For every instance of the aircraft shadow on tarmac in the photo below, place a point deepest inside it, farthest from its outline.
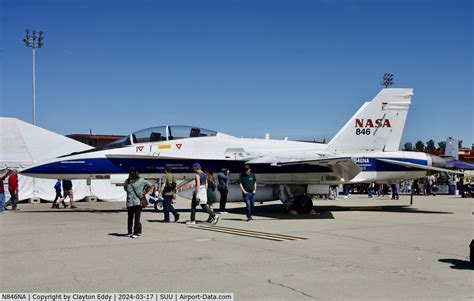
(384, 208)
(273, 211)
(458, 264)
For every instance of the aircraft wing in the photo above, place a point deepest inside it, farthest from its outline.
(414, 165)
(343, 167)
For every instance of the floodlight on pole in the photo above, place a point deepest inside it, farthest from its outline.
(387, 80)
(35, 40)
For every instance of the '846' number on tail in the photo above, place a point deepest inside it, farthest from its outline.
(362, 131)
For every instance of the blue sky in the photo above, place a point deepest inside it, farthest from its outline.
(291, 68)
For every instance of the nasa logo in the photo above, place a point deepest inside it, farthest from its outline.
(369, 123)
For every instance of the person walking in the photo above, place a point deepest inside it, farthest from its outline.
(336, 192)
(248, 186)
(430, 186)
(345, 189)
(200, 197)
(370, 189)
(67, 192)
(135, 187)
(416, 186)
(223, 188)
(168, 191)
(13, 189)
(395, 191)
(2, 191)
(57, 188)
(211, 189)
(380, 190)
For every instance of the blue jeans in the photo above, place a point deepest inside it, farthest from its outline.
(168, 207)
(380, 192)
(2, 201)
(395, 191)
(248, 198)
(345, 188)
(369, 191)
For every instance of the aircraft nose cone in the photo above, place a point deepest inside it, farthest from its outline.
(45, 170)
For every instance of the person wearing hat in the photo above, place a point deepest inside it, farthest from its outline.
(135, 187)
(200, 196)
(248, 186)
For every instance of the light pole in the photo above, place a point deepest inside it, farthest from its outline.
(35, 40)
(387, 80)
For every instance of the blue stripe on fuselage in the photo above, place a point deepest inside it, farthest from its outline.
(373, 164)
(148, 166)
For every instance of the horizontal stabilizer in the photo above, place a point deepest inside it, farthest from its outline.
(419, 166)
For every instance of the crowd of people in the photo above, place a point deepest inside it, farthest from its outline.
(428, 185)
(204, 195)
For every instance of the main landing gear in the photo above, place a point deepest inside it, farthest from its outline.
(295, 199)
(303, 204)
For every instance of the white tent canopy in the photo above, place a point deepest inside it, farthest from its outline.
(23, 144)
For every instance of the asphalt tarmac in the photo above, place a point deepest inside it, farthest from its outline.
(354, 249)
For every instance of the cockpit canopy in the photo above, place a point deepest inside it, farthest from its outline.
(162, 133)
(156, 134)
(170, 132)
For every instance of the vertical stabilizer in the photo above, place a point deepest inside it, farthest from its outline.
(452, 148)
(377, 126)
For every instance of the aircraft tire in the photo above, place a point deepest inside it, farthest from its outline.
(303, 204)
(158, 206)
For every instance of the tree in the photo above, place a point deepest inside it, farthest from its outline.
(430, 145)
(420, 146)
(460, 144)
(442, 146)
(408, 146)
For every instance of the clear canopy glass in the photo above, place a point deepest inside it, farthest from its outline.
(184, 131)
(150, 135)
(172, 132)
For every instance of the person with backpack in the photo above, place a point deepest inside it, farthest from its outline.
(168, 190)
(57, 188)
(200, 196)
(135, 187)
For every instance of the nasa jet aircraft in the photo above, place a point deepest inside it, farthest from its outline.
(364, 150)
